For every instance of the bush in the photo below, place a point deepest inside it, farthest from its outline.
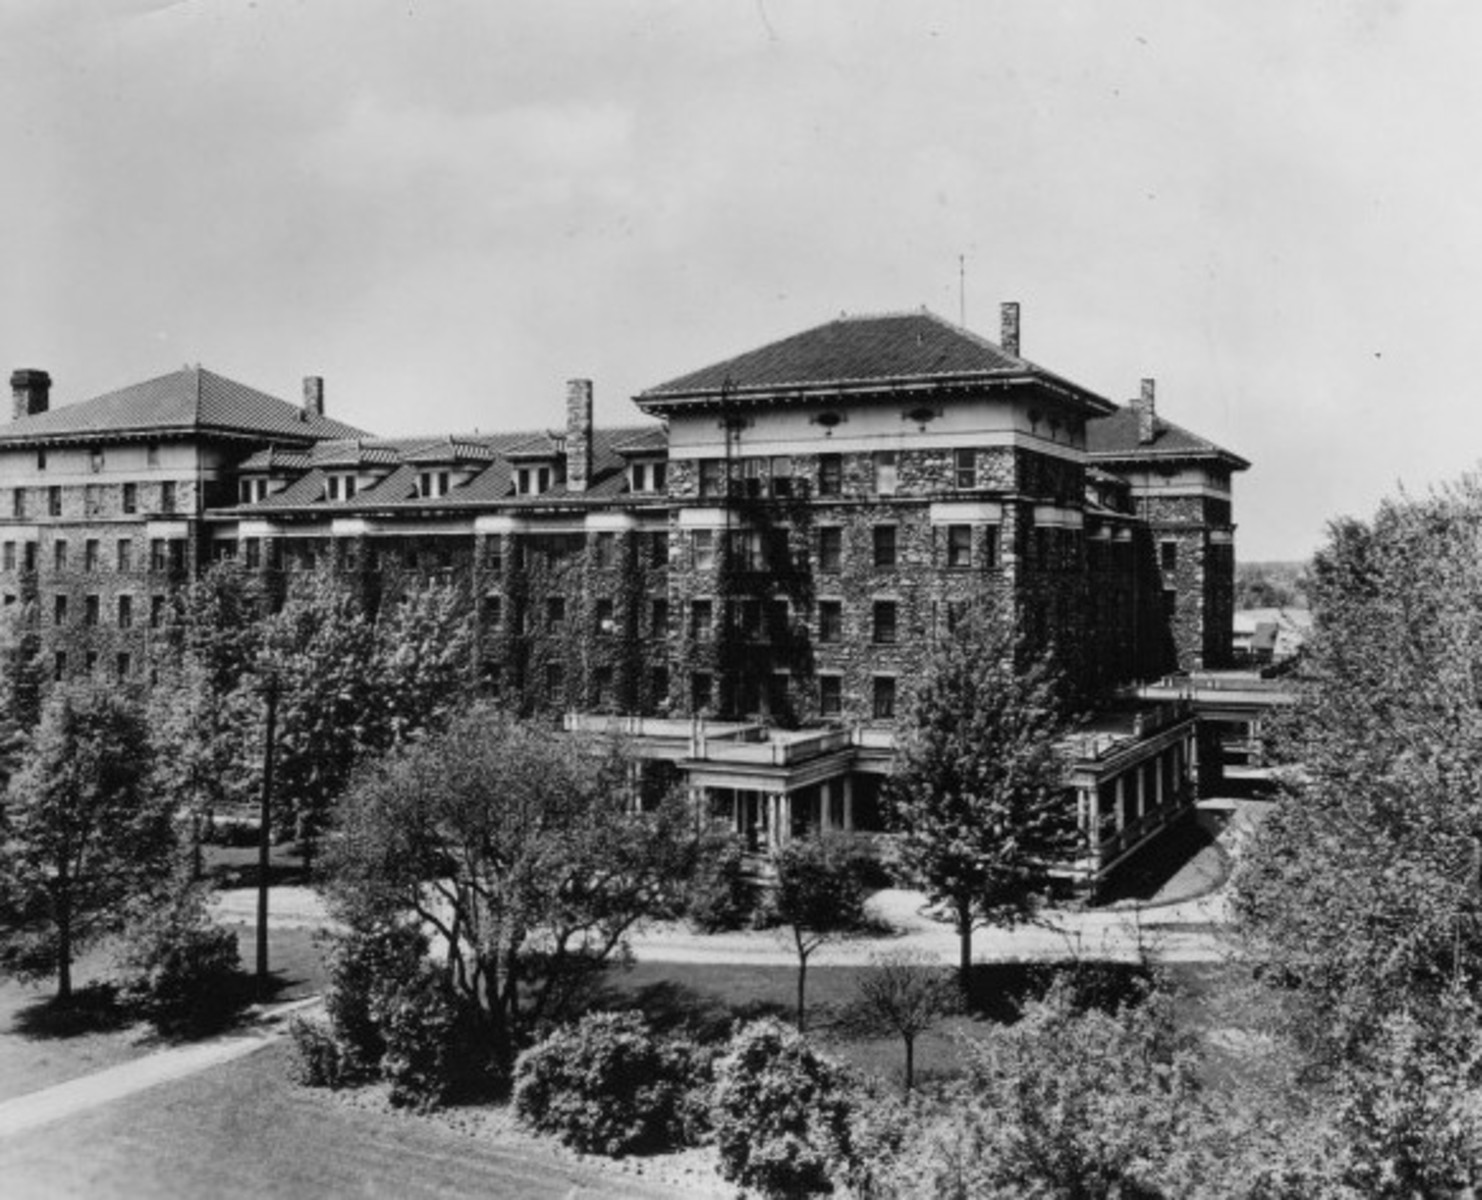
(723, 895)
(319, 1061)
(780, 1111)
(432, 1050)
(182, 969)
(607, 1086)
(363, 964)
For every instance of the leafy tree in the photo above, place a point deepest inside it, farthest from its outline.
(523, 851)
(978, 791)
(1361, 893)
(818, 897)
(423, 666)
(903, 992)
(85, 832)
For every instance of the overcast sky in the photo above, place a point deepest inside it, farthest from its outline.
(447, 209)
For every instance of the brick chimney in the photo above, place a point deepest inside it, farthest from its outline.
(578, 434)
(32, 392)
(1008, 324)
(314, 395)
(1147, 423)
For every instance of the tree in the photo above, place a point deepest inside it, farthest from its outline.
(818, 897)
(978, 791)
(1361, 893)
(85, 834)
(905, 993)
(524, 852)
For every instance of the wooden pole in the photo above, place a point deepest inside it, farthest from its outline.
(264, 840)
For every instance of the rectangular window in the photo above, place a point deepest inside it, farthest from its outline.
(350, 487)
(176, 560)
(59, 610)
(90, 554)
(41, 460)
(18, 502)
(90, 662)
(885, 472)
(167, 497)
(95, 459)
(244, 493)
(59, 667)
(152, 455)
(494, 552)
(658, 686)
(830, 474)
(965, 464)
(555, 680)
(606, 616)
(28, 557)
(959, 546)
(702, 620)
(884, 545)
(830, 695)
(751, 477)
(7, 556)
(703, 544)
(712, 477)
(125, 554)
(493, 610)
(54, 501)
(748, 550)
(333, 487)
(123, 664)
(126, 612)
(156, 554)
(885, 622)
(884, 697)
(601, 687)
(658, 474)
(700, 690)
(660, 619)
(252, 551)
(830, 548)
(782, 477)
(131, 497)
(156, 612)
(555, 611)
(91, 606)
(990, 546)
(59, 555)
(1168, 556)
(830, 621)
(606, 549)
(658, 548)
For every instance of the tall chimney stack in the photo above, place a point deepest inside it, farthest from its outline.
(31, 390)
(1008, 323)
(578, 434)
(314, 395)
(1147, 425)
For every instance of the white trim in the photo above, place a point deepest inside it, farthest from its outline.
(352, 527)
(500, 524)
(1207, 490)
(257, 529)
(706, 518)
(424, 529)
(166, 529)
(1053, 516)
(966, 512)
(616, 522)
(1221, 537)
(908, 440)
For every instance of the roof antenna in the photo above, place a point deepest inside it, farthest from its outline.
(962, 290)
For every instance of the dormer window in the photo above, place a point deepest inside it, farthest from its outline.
(95, 459)
(532, 481)
(432, 484)
(648, 476)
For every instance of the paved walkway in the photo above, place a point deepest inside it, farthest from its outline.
(26, 1112)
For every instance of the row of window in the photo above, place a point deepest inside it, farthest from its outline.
(123, 665)
(165, 554)
(92, 608)
(830, 694)
(97, 458)
(92, 499)
(755, 477)
(752, 550)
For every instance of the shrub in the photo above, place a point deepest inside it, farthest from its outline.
(182, 969)
(432, 1052)
(780, 1111)
(364, 963)
(606, 1085)
(319, 1060)
(723, 895)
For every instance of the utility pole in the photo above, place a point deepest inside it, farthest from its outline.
(265, 840)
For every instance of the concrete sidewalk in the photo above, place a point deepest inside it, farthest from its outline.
(33, 1109)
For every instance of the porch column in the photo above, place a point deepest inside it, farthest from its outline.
(1158, 781)
(848, 782)
(1121, 801)
(784, 814)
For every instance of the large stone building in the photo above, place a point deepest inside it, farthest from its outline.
(748, 583)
